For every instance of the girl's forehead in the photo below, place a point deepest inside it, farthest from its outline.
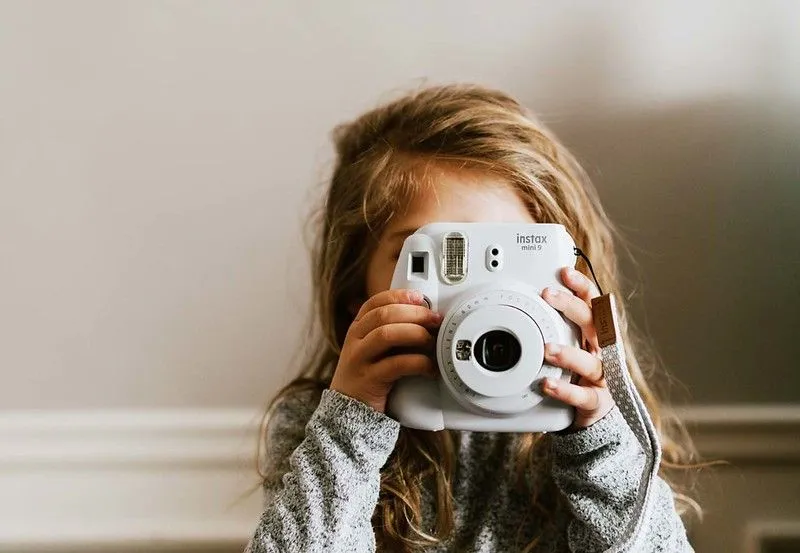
(463, 197)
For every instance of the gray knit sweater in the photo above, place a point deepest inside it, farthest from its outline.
(331, 456)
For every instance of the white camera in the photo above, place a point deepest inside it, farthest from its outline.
(486, 279)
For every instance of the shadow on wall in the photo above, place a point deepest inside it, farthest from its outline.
(708, 197)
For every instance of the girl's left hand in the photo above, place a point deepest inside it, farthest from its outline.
(589, 395)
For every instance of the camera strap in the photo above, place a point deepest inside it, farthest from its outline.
(632, 407)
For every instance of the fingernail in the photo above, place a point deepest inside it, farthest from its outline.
(552, 292)
(575, 275)
(549, 384)
(415, 296)
(552, 349)
(437, 316)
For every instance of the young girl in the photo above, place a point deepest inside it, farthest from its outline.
(342, 476)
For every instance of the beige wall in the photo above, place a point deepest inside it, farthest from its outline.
(156, 159)
(156, 164)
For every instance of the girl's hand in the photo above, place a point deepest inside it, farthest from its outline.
(389, 338)
(589, 395)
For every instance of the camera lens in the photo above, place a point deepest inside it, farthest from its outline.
(497, 350)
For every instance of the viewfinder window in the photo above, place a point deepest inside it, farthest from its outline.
(417, 263)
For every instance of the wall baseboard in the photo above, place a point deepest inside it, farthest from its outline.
(743, 434)
(162, 480)
(128, 480)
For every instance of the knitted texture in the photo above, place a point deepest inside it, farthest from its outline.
(330, 456)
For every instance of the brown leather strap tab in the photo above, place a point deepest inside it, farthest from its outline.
(603, 315)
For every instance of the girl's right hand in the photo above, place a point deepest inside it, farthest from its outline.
(390, 337)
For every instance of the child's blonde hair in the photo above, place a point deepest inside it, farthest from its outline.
(382, 157)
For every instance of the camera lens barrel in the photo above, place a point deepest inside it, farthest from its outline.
(497, 350)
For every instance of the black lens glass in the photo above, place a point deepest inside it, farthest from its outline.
(497, 350)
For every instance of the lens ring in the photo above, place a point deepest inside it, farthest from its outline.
(476, 388)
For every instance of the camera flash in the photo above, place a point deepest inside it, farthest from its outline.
(454, 254)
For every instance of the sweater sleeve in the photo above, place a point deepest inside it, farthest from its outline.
(330, 483)
(598, 469)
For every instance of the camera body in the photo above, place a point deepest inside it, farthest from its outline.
(486, 279)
